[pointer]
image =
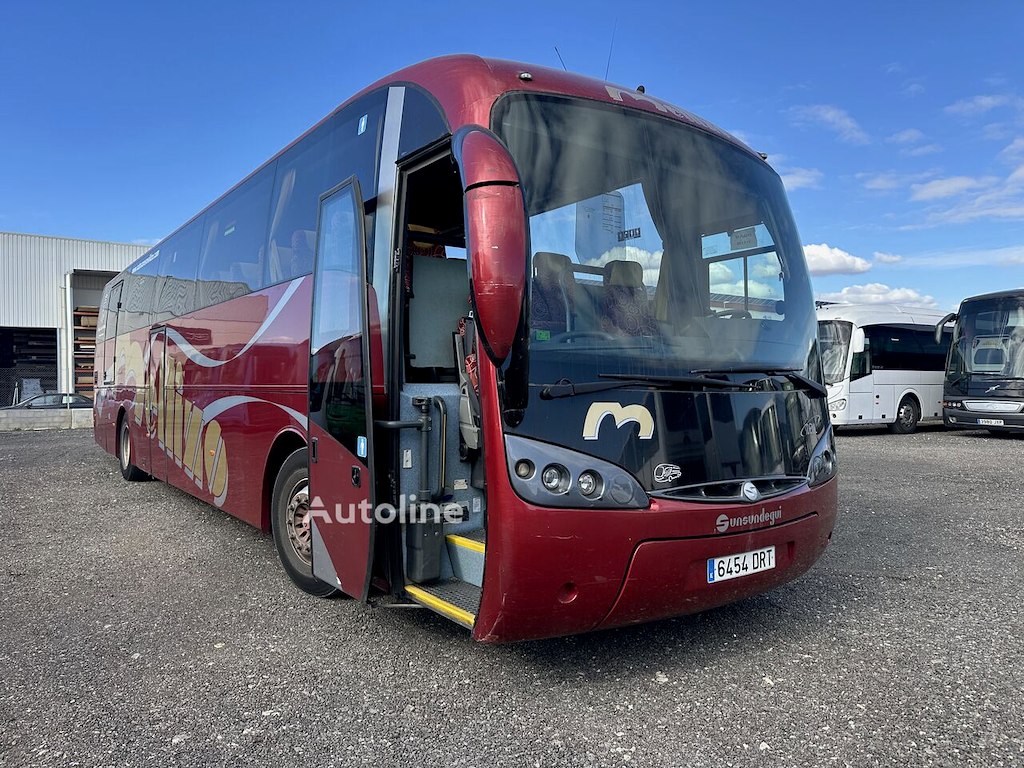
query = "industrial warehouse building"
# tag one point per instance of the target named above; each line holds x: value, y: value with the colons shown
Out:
x: 50, y: 290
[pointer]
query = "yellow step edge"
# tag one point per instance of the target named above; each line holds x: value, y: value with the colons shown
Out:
x: 446, y: 609
x: 462, y: 541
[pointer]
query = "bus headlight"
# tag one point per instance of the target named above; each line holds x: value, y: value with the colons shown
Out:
x: 837, y: 405
x: 569, y: 479
x: 823, y: 464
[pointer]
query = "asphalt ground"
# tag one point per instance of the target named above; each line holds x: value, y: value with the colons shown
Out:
x: 140, y: 627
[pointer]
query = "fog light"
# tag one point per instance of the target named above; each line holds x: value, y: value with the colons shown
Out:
x: 524, y: 468
x: 555, y: 478
x: 589, y: 483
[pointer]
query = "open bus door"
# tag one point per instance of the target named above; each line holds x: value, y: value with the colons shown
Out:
x: 340, y: 434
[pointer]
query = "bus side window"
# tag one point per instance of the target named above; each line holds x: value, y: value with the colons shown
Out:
x: 860, y: 366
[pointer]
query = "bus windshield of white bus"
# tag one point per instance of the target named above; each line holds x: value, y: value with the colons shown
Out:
x: 834, y: 343
x: 989, y: 338
x: 658, y: 249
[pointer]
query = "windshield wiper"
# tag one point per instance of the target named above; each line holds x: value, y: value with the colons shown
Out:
x: 567, y: 388
x: 793, y: 374
x: 689, y: 380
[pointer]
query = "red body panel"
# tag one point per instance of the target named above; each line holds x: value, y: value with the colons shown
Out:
x: 235, y: 379
x: 553, y: 572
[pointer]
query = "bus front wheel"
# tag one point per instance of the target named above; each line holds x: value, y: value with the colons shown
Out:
x: 907, y: 416
x: 292, y: 525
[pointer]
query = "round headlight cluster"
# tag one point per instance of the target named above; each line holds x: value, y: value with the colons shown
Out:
x: 590, y: 484
x: 556, y: 479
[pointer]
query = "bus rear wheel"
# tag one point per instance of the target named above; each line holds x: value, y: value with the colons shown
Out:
x: 907, y: 416
x: 125, y: 453
x: 292, y: 525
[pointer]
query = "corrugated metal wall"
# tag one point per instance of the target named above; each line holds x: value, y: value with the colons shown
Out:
x: 32, y: 269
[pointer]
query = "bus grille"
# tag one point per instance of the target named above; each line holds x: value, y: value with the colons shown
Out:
x: 730, y: 491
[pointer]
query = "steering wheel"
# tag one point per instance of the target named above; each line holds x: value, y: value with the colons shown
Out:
x: 570, y: 336
x: 740, y: 313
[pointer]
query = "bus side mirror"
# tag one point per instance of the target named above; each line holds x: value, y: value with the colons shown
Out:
x: 951, y: 317
x: 495, y: 237
x: 858, y: 340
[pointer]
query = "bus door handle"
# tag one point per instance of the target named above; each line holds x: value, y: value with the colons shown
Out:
x: 357, y: 477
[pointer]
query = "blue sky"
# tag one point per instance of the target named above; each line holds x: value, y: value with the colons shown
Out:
x: 898, y: 127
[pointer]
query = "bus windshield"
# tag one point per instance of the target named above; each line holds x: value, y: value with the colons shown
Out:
x: 989, y: 338
x: 658, y: 249
x: 834, y: 343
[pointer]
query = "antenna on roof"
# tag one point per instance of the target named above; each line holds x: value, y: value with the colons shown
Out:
x: 560, y: 58
x: 611, y: 45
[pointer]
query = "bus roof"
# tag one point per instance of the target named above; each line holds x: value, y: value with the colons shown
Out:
x: 465, y: 87
x: 877, y: 314
x: 1016, y: 293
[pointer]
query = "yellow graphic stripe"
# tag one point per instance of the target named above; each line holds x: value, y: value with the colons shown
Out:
x: 462, y: 541
x: 446, y: 609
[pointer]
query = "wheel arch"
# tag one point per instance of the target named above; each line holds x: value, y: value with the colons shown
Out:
x: 285, y: 443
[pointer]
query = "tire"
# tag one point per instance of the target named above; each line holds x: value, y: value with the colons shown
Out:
x: 292, y: 528
x: 126, y: 451
x: 907, y: 416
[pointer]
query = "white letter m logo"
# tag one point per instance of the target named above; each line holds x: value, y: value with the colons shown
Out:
x: 621, y: 414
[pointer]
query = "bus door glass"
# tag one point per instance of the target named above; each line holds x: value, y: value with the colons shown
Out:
x: 862, y: 383
x: 340, y: 440
x: 152, y: 449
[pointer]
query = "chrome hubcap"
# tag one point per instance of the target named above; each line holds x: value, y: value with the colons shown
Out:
x: 126, y: 447
x: 907, y: 414
x: 299, y: 524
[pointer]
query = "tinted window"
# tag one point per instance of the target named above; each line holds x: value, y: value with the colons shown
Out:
x: 422, y: 122
x: 139, y: 287
x: 175, y: 288
x: 113, y: 300
x: 233, y: 253
x: 345, y: 145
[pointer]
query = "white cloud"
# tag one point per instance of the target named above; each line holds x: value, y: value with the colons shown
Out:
x: 822, y: 259
x: 835, y: 119
x: 992, y: 199
x: 801, y: 178
x: 878, y: 293
x: 978, y: 105
x: 1015, y: 149
x: 924, y: 149
x: 887, y: 258
x: 881, y: 181
x: 909, y: 136
x: 948, y: 187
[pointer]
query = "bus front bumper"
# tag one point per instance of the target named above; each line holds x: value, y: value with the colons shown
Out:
x: 961, y: 418
x: 670, y: 578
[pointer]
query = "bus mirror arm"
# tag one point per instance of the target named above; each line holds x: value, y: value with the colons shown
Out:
x: 496, y: 237
x: 950, y: 318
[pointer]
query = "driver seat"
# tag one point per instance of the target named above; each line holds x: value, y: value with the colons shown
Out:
x: 550, y: 292
x: 626, y: 305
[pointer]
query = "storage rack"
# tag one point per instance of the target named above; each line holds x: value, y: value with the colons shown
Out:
x: 84, y: 334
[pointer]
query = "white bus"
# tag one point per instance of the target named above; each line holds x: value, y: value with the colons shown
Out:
x: 882, y: 364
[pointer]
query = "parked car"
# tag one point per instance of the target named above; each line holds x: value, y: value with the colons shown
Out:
x: 54, y: 400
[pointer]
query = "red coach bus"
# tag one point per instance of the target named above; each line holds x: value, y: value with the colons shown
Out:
x: 532, y: 350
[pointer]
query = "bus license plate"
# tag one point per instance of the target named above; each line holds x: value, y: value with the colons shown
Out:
x: 990, y: 422
x: 743, y: 564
